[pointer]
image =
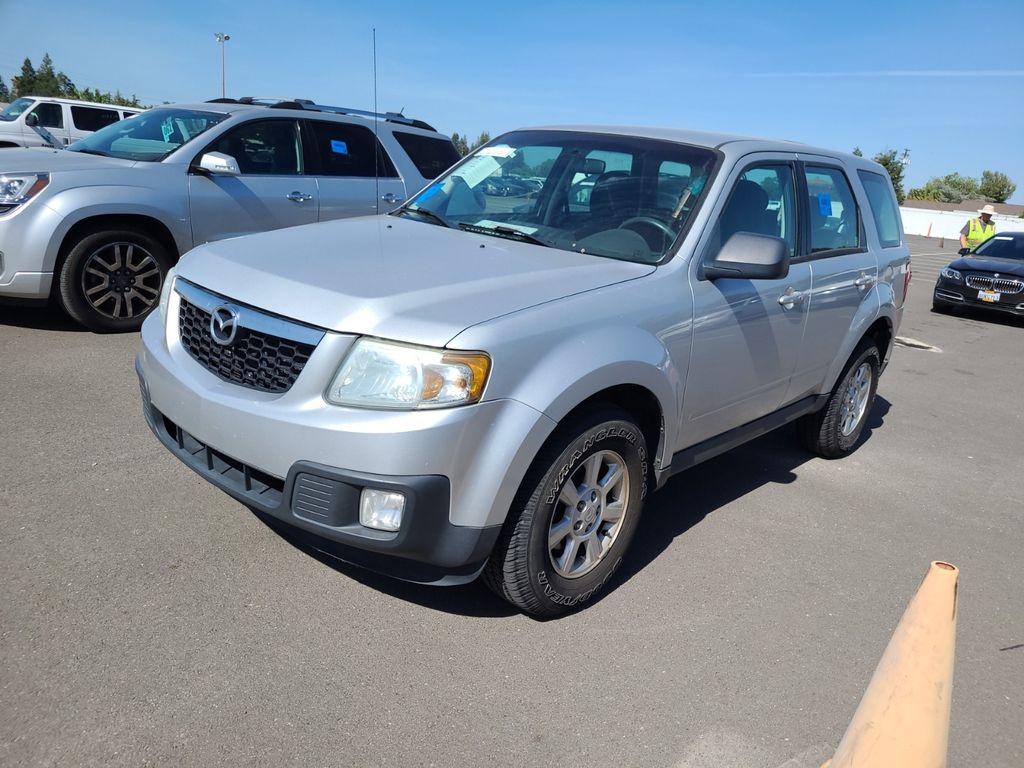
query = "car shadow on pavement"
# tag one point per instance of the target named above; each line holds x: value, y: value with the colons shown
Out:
x: 36, y: 317
x: 686, y: 500
x: 984, y: 316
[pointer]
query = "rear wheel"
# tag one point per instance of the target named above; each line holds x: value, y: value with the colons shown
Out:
x: 574, y: 516
x: 111, y: 279
x: 833, y: 431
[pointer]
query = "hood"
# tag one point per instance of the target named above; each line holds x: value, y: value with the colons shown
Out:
x: 41, y: 159
x: 1013, y: 267
x: 394, y: 278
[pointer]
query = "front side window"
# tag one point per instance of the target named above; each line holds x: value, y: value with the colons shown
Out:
x: 882, y: 202
x: 15, y: 108
x: 263, y: 148
x: 762, y: 202
x: 350, y: 150
x: 149, y: 136
x: 93, y: 118
x: 600, y: 194
x: 50, y: 115
x: 834, y: 219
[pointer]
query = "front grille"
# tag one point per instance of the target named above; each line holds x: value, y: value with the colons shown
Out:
x: 989, y: 283
x: 254, y: 359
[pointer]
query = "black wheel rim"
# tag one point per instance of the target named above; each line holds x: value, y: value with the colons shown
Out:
x: 121, y: 280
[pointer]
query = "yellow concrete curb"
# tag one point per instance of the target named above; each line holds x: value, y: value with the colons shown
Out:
x: 903, y: 719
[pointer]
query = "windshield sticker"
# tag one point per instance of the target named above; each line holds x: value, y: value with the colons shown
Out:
x: 339, y: 147
x: 825, y: 204
x: 429, y: 192
x: 506, y: 225
x: 477, y: 168
x: 496, y: 152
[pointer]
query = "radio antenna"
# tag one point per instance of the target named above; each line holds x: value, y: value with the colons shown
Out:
x: 376, y: 132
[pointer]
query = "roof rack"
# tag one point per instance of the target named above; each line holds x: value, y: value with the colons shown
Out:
x: 308, y: 104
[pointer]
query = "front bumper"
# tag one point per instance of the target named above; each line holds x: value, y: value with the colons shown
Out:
x: 950, y: 294
x: 459, y: 468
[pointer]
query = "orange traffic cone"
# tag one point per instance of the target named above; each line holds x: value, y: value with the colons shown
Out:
x: 903, y: 719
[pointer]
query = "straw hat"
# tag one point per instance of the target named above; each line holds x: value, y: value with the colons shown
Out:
x: 989, y: 209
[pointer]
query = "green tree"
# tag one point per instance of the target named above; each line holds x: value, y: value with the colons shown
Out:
x: 46, y: 83
x: 460, y: 144
x: 482, y: 139
x: 5, y: 94
x: 25, y: 83
x: 894, y: 166
x: 951, y: 188
x: 857, y: 152
x: 996, y: 186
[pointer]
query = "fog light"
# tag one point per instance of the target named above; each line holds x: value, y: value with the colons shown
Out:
x: 381, y: 509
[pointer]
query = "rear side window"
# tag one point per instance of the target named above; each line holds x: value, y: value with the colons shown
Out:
x: 349, y: 150
x: 93, y: 118
x: 882, y: 202
x: 834, y: 219
x: 431, y: 155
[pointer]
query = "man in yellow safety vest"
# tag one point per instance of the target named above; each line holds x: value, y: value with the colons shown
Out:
x: 978, y: 230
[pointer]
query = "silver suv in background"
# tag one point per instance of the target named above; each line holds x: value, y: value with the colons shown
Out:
x: 39, y: 121
x: 98, y: 226
x: 483, y: 383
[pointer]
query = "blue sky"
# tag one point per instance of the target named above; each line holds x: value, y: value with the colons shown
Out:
x: 942, y: 79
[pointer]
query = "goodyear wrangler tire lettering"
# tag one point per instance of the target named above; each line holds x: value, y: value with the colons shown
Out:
x: 574, y: 516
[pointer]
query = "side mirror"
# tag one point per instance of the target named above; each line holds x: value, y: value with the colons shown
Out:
x: 219, y: 164
x: 31, y: 119
x: 747, y: 256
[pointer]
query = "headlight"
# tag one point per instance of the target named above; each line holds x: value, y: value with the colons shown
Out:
x: 18, y: 188
x: 951, y: 274
x: 380, y: 374
x: 165, y: 293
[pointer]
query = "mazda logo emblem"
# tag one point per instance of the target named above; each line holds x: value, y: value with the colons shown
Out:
x: 224, y: 324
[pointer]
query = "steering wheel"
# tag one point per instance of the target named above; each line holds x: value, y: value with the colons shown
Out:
x: 652, y: 221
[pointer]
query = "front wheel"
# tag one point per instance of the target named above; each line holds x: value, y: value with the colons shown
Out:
x: 574, y: 516
x: 111, y: 279
x: 833, y: 431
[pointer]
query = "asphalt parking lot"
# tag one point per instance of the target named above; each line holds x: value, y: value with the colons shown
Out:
x: 149, y: 619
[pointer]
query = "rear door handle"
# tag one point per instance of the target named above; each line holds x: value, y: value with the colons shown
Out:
x: 864, y: 280
x: 791, y: 297
x: 390, y: 197
x: 299, y: 197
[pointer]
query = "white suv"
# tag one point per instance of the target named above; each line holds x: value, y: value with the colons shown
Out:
x: 32, y: 121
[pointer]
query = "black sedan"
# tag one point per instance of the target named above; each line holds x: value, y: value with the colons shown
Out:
x: 989, y: 277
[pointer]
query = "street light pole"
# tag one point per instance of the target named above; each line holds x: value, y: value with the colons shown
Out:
x: 221, y: 38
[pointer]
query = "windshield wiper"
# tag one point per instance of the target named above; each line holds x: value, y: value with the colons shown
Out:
x: 506, y: 232
x: 427, y: 214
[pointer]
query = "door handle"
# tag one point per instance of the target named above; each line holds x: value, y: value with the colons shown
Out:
x: 299, y: 197
x: 390, y: 197
x: 791, y: 297
x: 864, y: 280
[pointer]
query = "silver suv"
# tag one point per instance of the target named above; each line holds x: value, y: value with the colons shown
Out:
x: 493, y: 382
x: 98, y: 226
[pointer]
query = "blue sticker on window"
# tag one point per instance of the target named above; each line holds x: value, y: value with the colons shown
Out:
x: 339, y: 147
x: 825, y: 204
x: 429, y: 192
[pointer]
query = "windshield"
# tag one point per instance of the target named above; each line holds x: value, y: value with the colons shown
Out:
x: 617, y: 196
x: 1002, y: 247
x: 150, y: 136
x: 15, y: 108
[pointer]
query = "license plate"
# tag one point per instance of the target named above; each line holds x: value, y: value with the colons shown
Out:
x: 989, y: 296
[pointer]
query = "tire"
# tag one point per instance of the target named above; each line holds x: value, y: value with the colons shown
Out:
x: 833, y: 431
x: 111, y: 279
x: 554, y: 555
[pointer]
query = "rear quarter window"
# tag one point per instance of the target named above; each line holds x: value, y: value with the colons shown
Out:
x: 882, y: 202
x: 431, y: 155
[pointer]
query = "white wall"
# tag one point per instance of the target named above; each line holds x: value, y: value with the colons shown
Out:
x: 921, y: 221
